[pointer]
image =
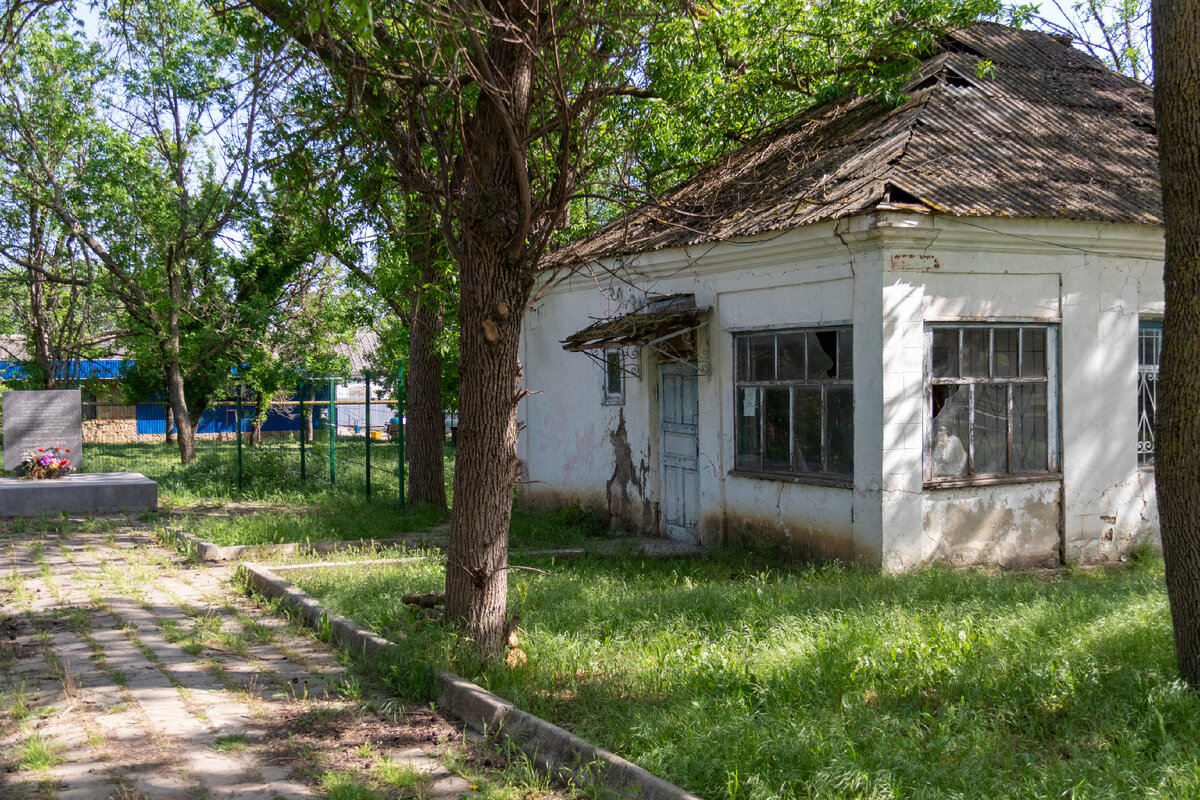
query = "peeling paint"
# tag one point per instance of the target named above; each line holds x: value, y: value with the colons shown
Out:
x: 625, y: 491
x: 1006, y: 525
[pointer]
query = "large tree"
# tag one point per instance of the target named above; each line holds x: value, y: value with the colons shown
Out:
x: 490, y: 111
x: 1177, y: 426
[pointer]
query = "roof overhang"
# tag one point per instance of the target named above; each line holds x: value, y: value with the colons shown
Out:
x: 637, y: 329
x: 665, y: 332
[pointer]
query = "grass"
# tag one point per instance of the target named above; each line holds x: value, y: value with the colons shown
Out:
x: 348, y: 519
x: 335, y: 785
x: 271, y: 472
x: 35, y: 754
x: 740, y: 679
x: 231, y: 743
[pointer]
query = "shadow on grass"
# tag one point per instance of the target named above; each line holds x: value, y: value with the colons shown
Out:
x: 737, y: 678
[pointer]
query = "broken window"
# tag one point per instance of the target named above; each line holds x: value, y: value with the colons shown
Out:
x: 1149, y: 351
x: 992, y: 405
x: 614, y: 377
x: 795, y: 402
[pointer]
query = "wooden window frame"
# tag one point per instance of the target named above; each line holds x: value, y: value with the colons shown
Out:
x: 757, y: 465
x: 972, y: 382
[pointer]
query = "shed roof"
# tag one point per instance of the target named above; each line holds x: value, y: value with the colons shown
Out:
x: 1047, y: 131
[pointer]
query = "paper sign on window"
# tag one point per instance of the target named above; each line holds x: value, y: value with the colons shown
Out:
x: 749, y: 402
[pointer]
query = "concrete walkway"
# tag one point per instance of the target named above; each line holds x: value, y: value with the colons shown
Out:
x: 126, y: 672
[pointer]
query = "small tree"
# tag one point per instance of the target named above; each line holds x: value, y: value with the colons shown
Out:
x: 164, y: 176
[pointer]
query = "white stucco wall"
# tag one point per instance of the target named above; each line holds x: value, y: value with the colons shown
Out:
x: 890, y: 275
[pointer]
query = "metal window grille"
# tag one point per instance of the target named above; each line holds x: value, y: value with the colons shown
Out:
x: 1149, y: 352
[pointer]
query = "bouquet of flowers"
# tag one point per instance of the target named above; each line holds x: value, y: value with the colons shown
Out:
x: 47, y: 462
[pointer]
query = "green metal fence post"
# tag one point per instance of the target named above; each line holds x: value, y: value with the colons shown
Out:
x: 301, y: 393
x: 332, y: 431
x: 367, y: 428
x: 238, y: 428
x: 400, y: 426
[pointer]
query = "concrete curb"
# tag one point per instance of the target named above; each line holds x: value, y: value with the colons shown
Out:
x: 207, y: 551
x: 554, y: 750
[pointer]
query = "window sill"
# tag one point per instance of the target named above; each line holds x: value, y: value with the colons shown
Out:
x: 834, y: 481
x: 613, y: 401
x: 991, y: 480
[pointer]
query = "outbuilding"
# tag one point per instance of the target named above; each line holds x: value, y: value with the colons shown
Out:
x: 884, y: 334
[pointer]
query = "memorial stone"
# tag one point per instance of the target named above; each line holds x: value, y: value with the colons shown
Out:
x: 42, y: 418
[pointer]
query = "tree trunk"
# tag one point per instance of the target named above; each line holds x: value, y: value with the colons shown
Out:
x: 260, y: 416
x: 493, y: 223
x: 170, y: 426
x: 39, y: 312
x: 1177, y: 425
x: 486, y: 465
x: 426, y: 431
x: 185, y: 430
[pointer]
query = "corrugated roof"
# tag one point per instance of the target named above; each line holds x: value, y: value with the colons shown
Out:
x: 1047, y: 132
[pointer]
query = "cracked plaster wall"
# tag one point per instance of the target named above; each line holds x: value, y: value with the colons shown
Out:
x: 891, y: 275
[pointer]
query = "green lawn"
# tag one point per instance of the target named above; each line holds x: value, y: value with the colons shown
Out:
x: 271, y: 472
x: 738, y: 679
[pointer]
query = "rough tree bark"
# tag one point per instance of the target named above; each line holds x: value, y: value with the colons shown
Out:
x: 1177, y: 426
x: 496, y: 280
x: 185, y: 430
x: 426, y: 417
x: 486, y: 461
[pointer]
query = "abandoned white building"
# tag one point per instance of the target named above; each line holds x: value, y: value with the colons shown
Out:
x: 881, y: 334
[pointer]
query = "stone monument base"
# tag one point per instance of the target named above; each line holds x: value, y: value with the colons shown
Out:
x: 86, y: 493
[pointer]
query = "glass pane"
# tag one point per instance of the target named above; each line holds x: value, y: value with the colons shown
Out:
x: 791, y: 356
x: 762, y: 358
x: 1005, y: 341
x: 807, y: 429
x: 822, y: 354
x: 991, y: 428
x: 749, y: 410
x: 945, y: 352
x: 976, y: 346
x: 777, y: 414
x: 743, y: 358
x: 1029, y: 428
x: 839, y: 420
x: 614, y: 371
x: 949, y: 441
x: 1033, y: 353
x: 845, y: 354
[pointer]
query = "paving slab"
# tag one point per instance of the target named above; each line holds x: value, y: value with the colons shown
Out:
x: 105, y: 626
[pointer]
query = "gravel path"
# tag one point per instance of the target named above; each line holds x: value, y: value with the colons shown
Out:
x: 126, y: 672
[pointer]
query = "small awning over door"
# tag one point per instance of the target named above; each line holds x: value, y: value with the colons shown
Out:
x: 670, y: 332
x: 636, y: 329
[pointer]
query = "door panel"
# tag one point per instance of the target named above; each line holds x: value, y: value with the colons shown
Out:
x: 679, y: 414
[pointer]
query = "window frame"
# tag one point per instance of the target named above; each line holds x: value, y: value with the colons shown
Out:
x: 1053, y: 468
x: 1150, y: 330
x: 842, y: 381
x: 613, y: 358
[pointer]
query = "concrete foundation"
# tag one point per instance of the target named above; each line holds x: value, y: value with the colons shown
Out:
x: 95, y: 493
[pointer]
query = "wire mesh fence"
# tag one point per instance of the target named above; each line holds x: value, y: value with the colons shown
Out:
x: 341, y: 434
